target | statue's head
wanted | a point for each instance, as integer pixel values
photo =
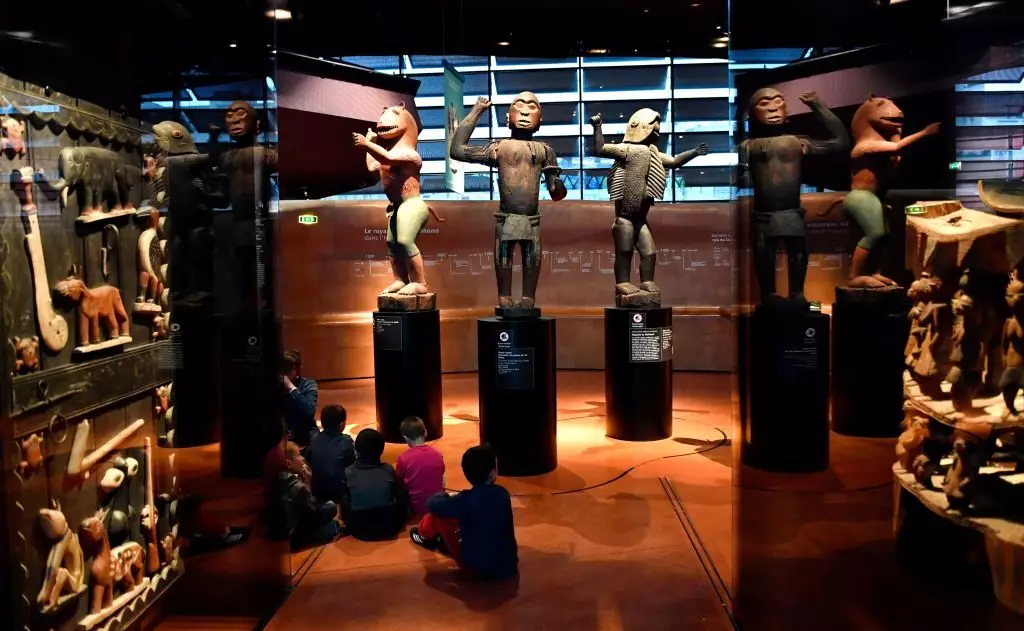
(767, 107)
(878, 113)
(52, 522)
(241, 121)
(71, 288)
(394, 123)
(644, 127)
(524, 115)
(172, 138)
(1015, 293)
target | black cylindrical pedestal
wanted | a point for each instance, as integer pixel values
(784, 362)
(868, 343)
(638, 372)
(407, 371)
(517, 393)
(195, 347)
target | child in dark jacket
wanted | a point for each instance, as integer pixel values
(372, 509)
(309, 522)
(475, 527)
(330, 452)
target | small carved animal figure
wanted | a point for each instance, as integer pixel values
(160, 325)
(150, 261)
(31, 454)
(1012, 379)
(120, 567)
(65, 564)
(96, 304)
(910, 450)
(12, 136)
(27, 355)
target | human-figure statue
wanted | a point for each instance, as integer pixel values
(877, 129)
(521, 161)
(391, 156)
(635, 181)
(771, 158)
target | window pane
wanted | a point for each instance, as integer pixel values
(717, 142)
(437, 61)
(625, 78)
(538, 81)
(620, 111)
(700, 109)
(375, 62)
(690, 76)
(595, 184)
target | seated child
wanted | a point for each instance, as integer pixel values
(420, 469)
(308, 521)
(475, 526)
(329, 453)
(371, 510)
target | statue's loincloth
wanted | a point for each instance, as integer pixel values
(514, 227)
(779, 223)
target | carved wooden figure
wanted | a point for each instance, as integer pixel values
(26, 351)
(12, 137)
(53, 328)
(64, 565)
(150, 263)
(31, 454)
(1012, 379)
(119, 568)
(930, 345)
(100, 180)
(96, 305)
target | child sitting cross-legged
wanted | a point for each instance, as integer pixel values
(372, 509)
(474, 527)
(420, 469)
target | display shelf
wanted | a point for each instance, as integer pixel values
(1003, 538)
(987, 410)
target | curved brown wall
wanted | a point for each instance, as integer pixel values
(329, 274)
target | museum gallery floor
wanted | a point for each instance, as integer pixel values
(642, 537)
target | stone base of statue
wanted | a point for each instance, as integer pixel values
(407, 371)
(784, 379)
(517, 382)
(639, 299)
(871, 328)
(517, 312)
(638, 373)
(411, 302)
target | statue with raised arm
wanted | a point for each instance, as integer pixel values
(391, 156)
(770, 158)
(635, 181)
(521, 162)
(877, 129)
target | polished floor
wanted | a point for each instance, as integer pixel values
(648, 536)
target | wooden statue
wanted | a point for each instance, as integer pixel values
(119, 568)
(150, 254)
(635, 182)
(99, 178)
(26, 351)
(12, 137)
(96, 305)
(1012, 379)
(910, 450)
(771, 159)
(929, 352)
(877, 129)
(391, 156)
(64, 565)
(521, 162)
(31, 454)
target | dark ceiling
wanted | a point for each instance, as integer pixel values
(112, 51)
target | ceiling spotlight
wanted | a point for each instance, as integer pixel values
(278, 10)
(719, 45)
(502, 43)
(598, 51)
(232, 45)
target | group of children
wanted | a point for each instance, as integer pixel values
(336, 486)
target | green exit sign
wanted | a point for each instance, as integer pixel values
(308, 220)
(955, 166)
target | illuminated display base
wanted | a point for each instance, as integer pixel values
(638, 372)
(784, 380)
(518, 413)
(871, 329)
(407, 370)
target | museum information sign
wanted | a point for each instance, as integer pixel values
(387, 332)
(514, 366)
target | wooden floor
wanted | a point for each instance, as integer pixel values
(647, 536)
